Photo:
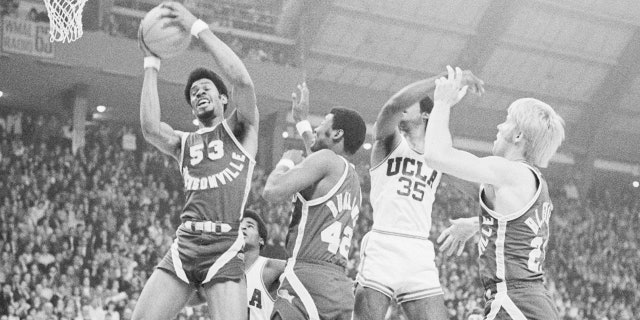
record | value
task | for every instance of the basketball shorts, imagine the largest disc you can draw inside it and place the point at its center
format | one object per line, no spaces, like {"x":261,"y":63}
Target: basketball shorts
{"x":198,"y":257}
{"x":519,"y":300}
{"x":314,"y":291}
{"x":399,"y":266}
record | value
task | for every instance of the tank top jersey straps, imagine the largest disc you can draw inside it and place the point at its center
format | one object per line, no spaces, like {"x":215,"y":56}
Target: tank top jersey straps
{"x":403,"y":189}
{"x":513,"y":247}
{"x":259,"y":299}
{"x":216,"y":171}
{"x":321,"y":228}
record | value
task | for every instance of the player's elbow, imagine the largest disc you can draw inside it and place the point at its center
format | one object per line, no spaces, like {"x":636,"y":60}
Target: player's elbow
{"x":243,"y":81}
{"x":434,"y":158}
{"x":271,"y":194}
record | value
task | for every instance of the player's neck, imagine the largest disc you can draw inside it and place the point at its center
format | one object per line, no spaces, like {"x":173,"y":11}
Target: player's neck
{"x":415,"y":138}
{"x":250,"y":257}
{"x":208,"y":123}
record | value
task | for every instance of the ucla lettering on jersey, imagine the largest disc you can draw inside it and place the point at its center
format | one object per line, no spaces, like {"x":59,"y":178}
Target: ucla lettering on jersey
{"x":321,"y":229}
{"x":403,"y":189}
{"x":513,"y":247}
{"x":216,"y":170}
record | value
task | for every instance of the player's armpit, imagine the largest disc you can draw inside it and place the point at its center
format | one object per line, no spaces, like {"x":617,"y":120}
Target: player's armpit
{"x":165,"y":139}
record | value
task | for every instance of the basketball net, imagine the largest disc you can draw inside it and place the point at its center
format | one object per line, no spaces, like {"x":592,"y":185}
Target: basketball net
{"x":65,"y":19}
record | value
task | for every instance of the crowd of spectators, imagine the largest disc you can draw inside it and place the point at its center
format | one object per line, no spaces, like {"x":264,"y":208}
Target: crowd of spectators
{"x":80,"y":233}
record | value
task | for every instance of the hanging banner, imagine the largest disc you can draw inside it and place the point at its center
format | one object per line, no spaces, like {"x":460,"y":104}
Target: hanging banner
{"x":26,"y":37}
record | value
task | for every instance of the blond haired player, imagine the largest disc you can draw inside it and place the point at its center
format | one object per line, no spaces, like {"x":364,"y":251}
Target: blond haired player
{"x":397,"y":258}
{"x":514,"y":199}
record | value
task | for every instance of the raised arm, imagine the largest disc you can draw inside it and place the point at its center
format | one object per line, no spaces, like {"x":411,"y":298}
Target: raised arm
{"x":157,"y":133}
{"x":286,"y":179}
{"x":443,"y":156}
{"x":300,"y":114}
{"x":231,"y":67}
{"x":386,"y":133}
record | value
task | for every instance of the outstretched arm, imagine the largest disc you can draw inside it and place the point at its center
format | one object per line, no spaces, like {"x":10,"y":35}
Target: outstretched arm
{"x":287,"y":179}
{"x":443,"y":156}
{"x":300,"y":113}
{"x":158,"y":133}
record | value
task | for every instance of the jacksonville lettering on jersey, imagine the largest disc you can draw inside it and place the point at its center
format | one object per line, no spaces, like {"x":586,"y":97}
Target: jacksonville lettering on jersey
{"x":321,"y":229}
{"x":513,"y":247}
{"x":216,"y":171}
{"x":402,"y":192}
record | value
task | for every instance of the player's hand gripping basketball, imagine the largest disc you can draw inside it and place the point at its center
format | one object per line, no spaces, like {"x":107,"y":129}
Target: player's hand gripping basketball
{"x":300,"y":108}
{"x":450,"y":90}
{"x":143,"y":47}
{"x":456,"y":236}
{"x":178,"y":14}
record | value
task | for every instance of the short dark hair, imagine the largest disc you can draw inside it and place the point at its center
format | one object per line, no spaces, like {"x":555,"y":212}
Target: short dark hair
{"x":204,"y":73}
{"x":426,"y":105}
{"x":353,"y":126}
{"x":262,"y":227}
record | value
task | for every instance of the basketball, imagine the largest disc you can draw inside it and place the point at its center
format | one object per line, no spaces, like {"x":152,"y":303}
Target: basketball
{"x":163,"y":40}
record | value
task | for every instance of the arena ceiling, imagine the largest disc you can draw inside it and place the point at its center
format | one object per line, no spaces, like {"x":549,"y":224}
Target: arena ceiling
{"x":581,"y":56}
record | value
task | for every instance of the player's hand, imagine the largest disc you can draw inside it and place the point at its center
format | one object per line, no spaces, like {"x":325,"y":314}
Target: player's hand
{"x":143,"y":47}
{"x":450,"y":90}
{"x":476,"y":85}
{"x":300,"y":107}
{"x":178,"y":14}
{"x":293,"y":155}
{"x":456,"y":236}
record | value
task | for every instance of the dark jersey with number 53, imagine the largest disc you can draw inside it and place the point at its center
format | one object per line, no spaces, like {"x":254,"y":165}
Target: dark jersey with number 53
{"x":513,"y":247}
{"x":217,"y":172}
{"x":321,"y":228}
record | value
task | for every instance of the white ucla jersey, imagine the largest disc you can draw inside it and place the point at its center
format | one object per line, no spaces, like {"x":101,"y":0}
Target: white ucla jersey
{"x":403,"y":188}
{"x":259,"y":300}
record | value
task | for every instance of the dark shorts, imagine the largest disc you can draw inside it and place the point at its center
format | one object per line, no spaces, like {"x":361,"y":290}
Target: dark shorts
{"x":197,"y":258}
{"x":523,"y":300}
{"x":314,"y":291}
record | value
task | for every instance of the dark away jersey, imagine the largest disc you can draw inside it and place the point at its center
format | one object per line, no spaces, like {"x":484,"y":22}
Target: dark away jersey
{"x":217,"y":172}
{"x":321,"y":229}
{"x":513,"y":247}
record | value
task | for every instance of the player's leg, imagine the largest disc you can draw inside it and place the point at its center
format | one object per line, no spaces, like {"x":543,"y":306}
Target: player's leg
{"x":162,"y":297}
{"x":227,"y":299}
{"x":431,"y":308}
{"x":370,"y":304}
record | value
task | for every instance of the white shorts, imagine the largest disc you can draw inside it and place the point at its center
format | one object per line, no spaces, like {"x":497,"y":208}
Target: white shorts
{"x":399,"y":266}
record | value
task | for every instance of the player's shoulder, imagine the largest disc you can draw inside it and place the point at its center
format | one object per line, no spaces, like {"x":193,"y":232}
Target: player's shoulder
{"x":272,"y":269}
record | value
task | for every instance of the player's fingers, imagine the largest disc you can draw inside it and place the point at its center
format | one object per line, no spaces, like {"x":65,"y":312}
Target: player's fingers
{"x":452,"y":248}
{"x":446,"y":244}
{"x":450,"y":73}
{"x":443,"y":235}
{"x":294,"y":98}
{"x":458,"y":76}
{"x":460,"y":249}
